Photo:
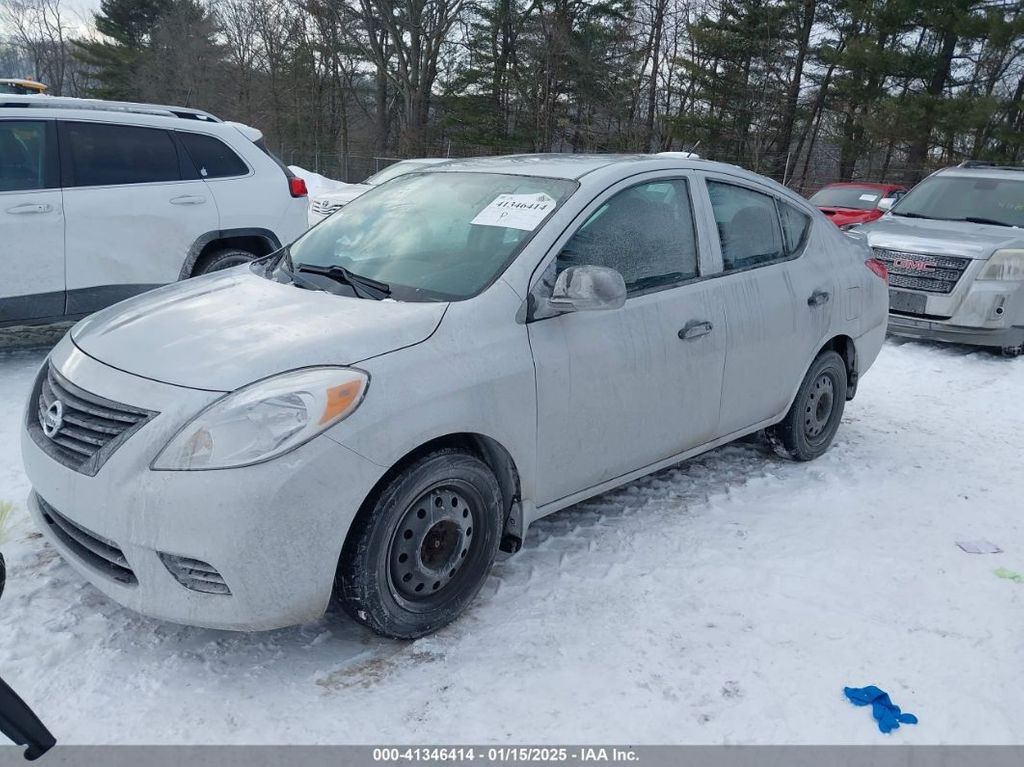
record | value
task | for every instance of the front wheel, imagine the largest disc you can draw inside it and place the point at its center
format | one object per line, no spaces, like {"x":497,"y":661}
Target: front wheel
{"x":223,"y":259}
{"x":417,"y":556}
{"x":811,"y":423}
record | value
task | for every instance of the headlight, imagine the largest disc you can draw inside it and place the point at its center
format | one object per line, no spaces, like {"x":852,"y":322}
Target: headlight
{"x":265,"y":419}
{"x":1005,"y":264}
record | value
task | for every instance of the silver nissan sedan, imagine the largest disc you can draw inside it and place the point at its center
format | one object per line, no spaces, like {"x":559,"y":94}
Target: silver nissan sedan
{"x":372,"y":413}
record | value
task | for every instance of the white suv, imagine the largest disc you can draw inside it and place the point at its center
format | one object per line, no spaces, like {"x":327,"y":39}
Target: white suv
{"x":102,"y":200}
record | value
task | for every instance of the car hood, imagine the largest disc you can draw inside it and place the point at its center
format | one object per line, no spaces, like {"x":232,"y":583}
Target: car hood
{"x":231,"y":328}
{"x":947,"y":238}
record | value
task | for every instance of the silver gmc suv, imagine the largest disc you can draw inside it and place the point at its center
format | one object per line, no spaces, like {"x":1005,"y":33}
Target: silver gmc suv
{"x":954,"y":247}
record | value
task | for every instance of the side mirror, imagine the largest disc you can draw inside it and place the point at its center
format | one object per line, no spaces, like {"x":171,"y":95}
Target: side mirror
{"x":588,"y":288}
{"x":886,"y":203}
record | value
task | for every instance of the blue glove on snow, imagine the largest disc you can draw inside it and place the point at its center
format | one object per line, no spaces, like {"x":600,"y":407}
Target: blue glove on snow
{"x":886,"y":713}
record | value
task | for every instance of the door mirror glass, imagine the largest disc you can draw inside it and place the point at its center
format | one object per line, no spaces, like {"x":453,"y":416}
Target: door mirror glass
{"x":588,"y":288}
{"x":886,"y":203}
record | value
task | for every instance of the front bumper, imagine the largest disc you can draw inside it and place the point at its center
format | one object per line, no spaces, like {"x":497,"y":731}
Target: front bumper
{"x":930,"y":330}
{"x":273,"y":531}
{"x":976,"y":312}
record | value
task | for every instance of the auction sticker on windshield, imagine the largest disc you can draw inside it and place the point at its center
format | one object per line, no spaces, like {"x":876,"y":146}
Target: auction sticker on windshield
{"x":516,"y":211}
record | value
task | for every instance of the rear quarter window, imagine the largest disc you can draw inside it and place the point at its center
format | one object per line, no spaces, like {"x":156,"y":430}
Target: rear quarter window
{"x":212,"y":157}
{"x":795,"y":227}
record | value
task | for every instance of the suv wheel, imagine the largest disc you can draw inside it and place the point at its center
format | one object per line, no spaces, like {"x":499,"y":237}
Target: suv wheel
{"x":415,"y":559}
{"x":808,"y":428}
{"x":223,"y":259}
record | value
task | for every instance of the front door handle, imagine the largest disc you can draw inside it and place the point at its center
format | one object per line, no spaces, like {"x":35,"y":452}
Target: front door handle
{"x":819,"y":297}
{"x":188,"y":199}
{"x":30,"y":207}
{"x":695,"y":329}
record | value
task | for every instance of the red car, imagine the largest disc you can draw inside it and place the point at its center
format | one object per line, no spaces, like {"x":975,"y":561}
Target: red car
{"x":855,"y":202}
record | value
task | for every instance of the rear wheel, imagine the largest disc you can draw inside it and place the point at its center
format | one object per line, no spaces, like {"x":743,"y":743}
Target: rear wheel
{"x":811,"y":423}
{"x":415,"y":559}
{"x":223,"y":259}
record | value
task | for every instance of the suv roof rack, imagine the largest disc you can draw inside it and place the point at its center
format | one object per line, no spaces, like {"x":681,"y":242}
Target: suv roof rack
{"x":99,"y":105}
{"x":990,"y":164}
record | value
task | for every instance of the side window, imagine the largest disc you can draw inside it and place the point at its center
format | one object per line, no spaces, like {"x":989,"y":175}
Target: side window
{"x":106,"y":155}
{"x":646,"y":233}
{"x":748,"y":226}
{"x":212,"y":157}
{"x":795,"y":225}
{"x":23,"y":156}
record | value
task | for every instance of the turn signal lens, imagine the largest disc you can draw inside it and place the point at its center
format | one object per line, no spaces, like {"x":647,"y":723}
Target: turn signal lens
{"x":342,"y":400}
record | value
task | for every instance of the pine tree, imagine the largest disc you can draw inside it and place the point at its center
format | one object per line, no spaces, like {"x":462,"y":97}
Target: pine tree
{"x":115,"y":61}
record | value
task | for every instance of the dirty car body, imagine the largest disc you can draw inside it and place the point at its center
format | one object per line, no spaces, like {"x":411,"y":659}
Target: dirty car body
{"x":631,"y":313}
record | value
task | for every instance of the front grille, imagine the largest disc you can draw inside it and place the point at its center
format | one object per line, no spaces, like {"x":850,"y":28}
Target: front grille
{"x":99,"y":553}
{"x":79,"y":429}
{"x":920,"y":271}
{"x":325,"y":207}
{"x":195,"y":575}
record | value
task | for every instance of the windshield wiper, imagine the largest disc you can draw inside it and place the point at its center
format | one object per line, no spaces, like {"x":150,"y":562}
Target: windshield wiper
{"x":365,"y":287}
{"x":916,"y":215}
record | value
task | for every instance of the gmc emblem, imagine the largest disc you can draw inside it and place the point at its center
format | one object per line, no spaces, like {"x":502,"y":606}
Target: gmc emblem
{"x":910,"y":263}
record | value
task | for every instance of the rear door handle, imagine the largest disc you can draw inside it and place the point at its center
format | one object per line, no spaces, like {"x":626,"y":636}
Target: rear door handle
{"x":819,"y":297}
{"x":188,"y":199}
{"x":30,"y":207}
{"x":695,"y":329}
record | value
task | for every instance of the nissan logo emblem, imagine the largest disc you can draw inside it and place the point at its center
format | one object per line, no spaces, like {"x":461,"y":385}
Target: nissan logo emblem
{"x":53,"y":418}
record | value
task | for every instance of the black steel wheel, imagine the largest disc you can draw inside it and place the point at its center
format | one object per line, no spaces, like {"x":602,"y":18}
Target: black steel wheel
{"x":812,"y":421}
{"x":420,"y":551}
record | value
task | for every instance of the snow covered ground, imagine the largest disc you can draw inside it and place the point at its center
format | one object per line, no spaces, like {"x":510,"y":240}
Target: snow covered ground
{"x":725,"y":601}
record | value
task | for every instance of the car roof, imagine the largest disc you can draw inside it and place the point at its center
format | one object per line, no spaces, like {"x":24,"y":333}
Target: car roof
{"x":568,"y":166}
{"x":101,"y":106}
{"x":421,"y":161}
{"x":1009,"y":173}
{"x":868,"y":184}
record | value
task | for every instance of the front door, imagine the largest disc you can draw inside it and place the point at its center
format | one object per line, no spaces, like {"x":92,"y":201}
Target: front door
{"x":618,"y":390}
{"x":31,"y":222}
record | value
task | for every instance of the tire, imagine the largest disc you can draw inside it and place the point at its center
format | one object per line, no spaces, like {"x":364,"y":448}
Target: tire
{"x":811,"y":423}
{"x":223,"y":259}
{"x":418,"y":554}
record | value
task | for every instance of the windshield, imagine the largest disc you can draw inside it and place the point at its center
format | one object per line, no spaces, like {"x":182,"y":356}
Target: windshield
{"x":966,"y":198}
{"x":857,"y":197}
{"x":434,"y":236}
{"x":394,"y":171}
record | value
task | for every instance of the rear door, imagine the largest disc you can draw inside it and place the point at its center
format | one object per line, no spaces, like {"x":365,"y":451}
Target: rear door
{"x":133,"y":205}
{"x":777,"y":298}
{"x":618,"y":390}
{"x":31,"y":222}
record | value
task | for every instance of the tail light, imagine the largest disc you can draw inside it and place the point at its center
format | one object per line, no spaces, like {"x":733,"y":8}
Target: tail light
{"x":878,"y":268}
{"x":297,"y":186}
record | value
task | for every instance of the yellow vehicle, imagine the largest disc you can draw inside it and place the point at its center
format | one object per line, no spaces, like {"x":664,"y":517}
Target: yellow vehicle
{"x":26,"y":87}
